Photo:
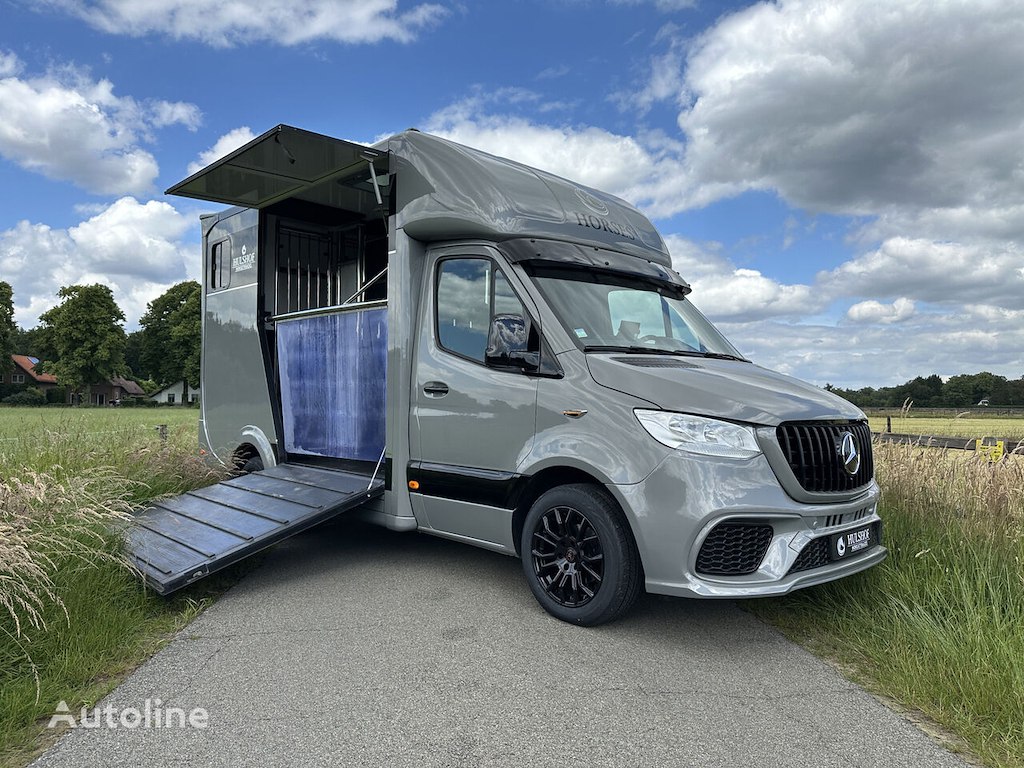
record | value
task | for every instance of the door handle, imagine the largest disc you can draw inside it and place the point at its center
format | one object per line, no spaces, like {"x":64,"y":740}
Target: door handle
{"x":435,"y":389}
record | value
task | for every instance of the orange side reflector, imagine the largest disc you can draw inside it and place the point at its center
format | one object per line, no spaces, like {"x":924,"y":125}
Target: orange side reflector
{"x":414,"y":485}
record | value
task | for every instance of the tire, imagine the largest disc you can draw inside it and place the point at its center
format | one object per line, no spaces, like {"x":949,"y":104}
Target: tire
{"x":254,"y":464}
{"x":579,"y":557}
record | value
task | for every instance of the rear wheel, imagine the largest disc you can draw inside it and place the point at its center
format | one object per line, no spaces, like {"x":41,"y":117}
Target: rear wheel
{"x":255,"y":464}
{"x":579,"y":557}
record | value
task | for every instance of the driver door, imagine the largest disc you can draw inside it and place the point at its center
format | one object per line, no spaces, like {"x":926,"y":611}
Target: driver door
{"x":472,"y":422}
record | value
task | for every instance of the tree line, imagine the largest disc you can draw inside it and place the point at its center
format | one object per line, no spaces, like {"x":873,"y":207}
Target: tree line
{"x":82,"y":340}
{"x":963,"y":391}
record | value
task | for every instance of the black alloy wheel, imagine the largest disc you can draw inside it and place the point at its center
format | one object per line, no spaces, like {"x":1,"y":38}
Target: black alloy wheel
{"x":567,"y":556}
{"x":579,"y":556}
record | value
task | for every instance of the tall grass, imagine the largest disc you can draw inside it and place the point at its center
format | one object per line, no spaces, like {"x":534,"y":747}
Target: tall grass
{"x":939,"y":626}
{"x":73,"y":615}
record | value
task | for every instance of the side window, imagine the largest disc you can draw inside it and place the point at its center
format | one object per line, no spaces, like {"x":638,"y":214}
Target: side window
{"x":463,"y":306}
{"x":220,"y":266}
{"x":470,"y":292}
{"x":505,"y":300}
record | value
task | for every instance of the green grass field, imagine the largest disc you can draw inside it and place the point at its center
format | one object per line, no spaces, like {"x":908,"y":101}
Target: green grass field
{"x":74,"y":619}
{"x":938,"y":627}
{"x":966,"y":427}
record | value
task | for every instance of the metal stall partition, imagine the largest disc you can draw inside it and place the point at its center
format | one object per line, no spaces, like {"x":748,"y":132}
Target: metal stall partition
{"x":333,"y":367}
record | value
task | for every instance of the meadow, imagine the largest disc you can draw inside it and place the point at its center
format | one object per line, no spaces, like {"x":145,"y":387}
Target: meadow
{"x":937,"y":628}
{"x":951,"y":425}
{"x":74,"y":618}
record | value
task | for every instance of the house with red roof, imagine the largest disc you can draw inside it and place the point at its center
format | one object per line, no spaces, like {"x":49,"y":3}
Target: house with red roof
{"x":23,"y":371}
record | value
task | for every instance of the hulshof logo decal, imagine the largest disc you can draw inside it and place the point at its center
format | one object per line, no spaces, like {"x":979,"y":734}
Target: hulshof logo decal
{"x":247,"y":260}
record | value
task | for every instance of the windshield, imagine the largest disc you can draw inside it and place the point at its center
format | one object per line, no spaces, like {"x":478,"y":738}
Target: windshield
{"x":607,"y":312}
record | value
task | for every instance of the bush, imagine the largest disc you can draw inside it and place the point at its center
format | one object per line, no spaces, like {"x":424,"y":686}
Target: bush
{"x":30,"y":396}
{"x":56,"y":395}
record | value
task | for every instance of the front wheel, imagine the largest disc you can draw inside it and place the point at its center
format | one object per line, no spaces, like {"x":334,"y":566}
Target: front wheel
{"x":579,"y":557}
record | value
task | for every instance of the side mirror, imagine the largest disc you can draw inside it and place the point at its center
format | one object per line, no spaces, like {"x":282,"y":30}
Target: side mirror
{"x":507,"y":344}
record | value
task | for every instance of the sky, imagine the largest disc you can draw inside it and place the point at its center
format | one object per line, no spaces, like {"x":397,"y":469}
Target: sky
{"x":841,"y":181}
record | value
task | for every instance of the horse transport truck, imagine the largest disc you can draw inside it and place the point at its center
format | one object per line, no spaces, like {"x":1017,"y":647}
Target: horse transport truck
{"x":437,"y":339}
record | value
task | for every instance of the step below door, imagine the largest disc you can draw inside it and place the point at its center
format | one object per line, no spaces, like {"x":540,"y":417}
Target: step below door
{"x":178,"y":540}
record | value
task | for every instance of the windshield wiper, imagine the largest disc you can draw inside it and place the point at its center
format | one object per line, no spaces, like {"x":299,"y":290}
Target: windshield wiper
{"x":632,"y":349}
{"x":722,"y":356}
{"x":639,"y":350}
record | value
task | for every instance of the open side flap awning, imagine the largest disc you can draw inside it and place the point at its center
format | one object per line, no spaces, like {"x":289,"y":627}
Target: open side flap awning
{"x":284,"y":162}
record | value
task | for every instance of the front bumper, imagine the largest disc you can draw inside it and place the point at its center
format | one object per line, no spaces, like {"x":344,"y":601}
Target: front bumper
{"x":674,"y":509}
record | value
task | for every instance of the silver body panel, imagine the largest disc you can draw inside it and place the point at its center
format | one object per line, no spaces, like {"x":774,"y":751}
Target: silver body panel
{"x":466,"y":465}
{"x":236,"y":407}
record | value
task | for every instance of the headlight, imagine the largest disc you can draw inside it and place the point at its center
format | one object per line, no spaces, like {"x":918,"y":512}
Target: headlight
{"x":698,"y":434}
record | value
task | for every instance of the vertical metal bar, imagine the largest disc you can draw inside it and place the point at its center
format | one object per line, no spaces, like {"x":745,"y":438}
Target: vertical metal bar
{"x":330,"y":272}
{"x":309,"y":265}
{"x":288,"y":278}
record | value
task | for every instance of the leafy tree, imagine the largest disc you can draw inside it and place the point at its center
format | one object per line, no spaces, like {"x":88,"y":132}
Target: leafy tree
{"x":969,"y":389}
{"x":86,"y":332}
{"x":924,"y":392}
{"x":134,"y":346}
{"x":7,"y":326}
{"x":34,"y":342}
{"x":186,"y":335}
{"x":171,"y":336}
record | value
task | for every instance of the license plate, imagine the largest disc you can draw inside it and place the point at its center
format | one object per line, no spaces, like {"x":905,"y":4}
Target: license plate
{"x":852,"y":543}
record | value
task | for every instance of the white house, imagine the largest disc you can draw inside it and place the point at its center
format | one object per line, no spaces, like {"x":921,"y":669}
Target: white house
{"x":172,"y":394}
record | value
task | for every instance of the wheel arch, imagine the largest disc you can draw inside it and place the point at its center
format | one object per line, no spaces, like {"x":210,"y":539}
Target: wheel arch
{"x":254,"y":444}
{"x":552,"y":477}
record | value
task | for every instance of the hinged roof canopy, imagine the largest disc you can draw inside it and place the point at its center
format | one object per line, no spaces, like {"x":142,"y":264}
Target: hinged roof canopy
{"x":284,"y":162}
{"x":444,"y":190}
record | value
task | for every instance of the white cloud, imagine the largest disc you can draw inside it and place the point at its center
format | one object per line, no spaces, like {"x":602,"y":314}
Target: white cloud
{"x":662,"y":5}
{"x":176,"y":112}
{"x":69,"y":127}
{"x":643,"y":170}
{"x":857,"y":356}
{"x":854,"y":106}
{"x":135,"y":248}
{"x":9,"y":64}
{"x":726,"y":293}
{"x":226,"y":144}
{"x":951,"y":274}
{"x":239,"y":22}
{"x":872,"y":311}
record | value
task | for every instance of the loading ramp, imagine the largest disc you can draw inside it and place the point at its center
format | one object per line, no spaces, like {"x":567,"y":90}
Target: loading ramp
{"x":178,"y":540}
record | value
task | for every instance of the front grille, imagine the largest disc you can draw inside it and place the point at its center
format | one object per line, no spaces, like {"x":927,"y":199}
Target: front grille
{"x":812,"y":450}
{"x":814,"y":555}
{"x":733,"y":549}
{"x":849,"y":517}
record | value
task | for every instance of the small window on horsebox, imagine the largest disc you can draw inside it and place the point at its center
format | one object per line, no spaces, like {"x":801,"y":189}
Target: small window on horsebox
{"x":220,"y":266}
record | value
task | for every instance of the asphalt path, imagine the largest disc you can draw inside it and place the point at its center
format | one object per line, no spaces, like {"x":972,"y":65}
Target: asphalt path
{"x":353,"y":645}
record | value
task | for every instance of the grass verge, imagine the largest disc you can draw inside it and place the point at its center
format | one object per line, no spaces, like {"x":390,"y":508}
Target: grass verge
{"x":939,"y":626}
{"x":74,"y":618}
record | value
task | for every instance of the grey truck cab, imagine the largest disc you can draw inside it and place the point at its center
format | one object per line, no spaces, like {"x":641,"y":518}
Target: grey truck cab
{"x":438,"y":339}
